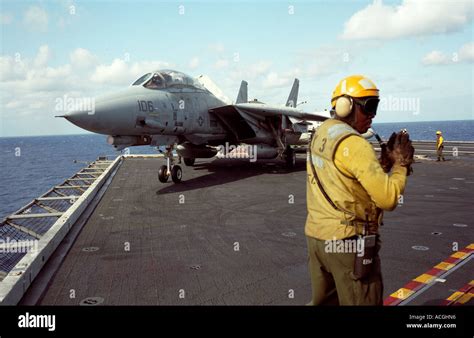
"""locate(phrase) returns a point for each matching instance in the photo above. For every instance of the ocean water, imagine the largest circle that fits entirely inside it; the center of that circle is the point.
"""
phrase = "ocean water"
(32, 165)
(452, 130)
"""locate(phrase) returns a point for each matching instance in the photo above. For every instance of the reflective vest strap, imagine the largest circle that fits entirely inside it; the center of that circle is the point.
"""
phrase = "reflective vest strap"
(334, 155)
(315, 175)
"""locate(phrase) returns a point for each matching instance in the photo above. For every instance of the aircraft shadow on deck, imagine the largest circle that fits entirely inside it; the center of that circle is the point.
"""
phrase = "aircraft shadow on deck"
(223, 171)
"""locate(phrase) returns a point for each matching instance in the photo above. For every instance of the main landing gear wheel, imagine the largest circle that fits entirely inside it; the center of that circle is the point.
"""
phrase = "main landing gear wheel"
(290, 158)
(189, 161)
(163, 174)
(176, 173)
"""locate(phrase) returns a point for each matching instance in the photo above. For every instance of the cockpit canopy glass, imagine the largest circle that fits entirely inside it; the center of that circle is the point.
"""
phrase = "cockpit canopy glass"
(141, 79)
(166, 78)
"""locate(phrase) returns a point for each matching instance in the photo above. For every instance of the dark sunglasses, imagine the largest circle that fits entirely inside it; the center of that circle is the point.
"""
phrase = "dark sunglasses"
(369, 105)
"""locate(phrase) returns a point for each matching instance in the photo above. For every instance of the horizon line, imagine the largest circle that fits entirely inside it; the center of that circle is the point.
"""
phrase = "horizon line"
(90, 133)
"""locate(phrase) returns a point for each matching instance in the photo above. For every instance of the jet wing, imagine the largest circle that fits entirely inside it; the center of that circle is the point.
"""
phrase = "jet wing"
(241, 118)
(264, 110)
(235, 122)
(245, 120)
(239, 112)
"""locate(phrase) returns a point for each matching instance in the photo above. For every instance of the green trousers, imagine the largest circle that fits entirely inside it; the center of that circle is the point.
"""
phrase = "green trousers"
(332, 280)
(439, 152)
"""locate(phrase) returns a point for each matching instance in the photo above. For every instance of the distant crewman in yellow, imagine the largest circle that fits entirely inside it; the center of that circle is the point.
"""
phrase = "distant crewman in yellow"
(347, 189)
(439, 145)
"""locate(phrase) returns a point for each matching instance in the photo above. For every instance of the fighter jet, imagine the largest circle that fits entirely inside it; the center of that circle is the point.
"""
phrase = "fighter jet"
(170, 108)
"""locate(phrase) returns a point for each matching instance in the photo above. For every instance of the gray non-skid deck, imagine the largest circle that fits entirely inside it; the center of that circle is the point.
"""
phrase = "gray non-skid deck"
(229, 234)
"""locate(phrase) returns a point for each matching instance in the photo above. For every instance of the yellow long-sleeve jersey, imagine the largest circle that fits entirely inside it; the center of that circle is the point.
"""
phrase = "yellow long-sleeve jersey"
(439, 142)
(352, 177)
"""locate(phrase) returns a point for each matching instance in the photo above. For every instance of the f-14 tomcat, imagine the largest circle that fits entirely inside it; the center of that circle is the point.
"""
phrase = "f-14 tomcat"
(167, 107)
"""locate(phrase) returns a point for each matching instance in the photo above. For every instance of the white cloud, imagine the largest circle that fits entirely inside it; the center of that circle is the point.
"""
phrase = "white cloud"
(82, 58)
(411, 18)
(194, 63)
(43, 56)
(36, 19)
(123, 73)
(30, 86)
(435, 58)
(13, 104)
(274, 80)
(221, 64)
(328, 59)
(250, 73)
(21, 70)
(11, 69)
(37, 105)
(216, 48)
(6, 18)
(116, 72)
(259, 68)
(465, 54)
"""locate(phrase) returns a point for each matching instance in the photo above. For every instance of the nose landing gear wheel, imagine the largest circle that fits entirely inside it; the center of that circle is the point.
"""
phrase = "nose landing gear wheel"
(176, 174)
(163, 174)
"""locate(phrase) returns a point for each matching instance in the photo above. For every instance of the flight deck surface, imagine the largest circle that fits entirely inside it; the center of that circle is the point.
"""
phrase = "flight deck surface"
(233, 233)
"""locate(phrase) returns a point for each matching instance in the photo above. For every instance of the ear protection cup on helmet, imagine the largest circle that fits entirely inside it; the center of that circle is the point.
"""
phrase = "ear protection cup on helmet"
(344, 106)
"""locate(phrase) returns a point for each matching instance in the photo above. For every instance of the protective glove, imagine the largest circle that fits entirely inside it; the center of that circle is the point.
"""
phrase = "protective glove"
(401, 150)
(385, 160)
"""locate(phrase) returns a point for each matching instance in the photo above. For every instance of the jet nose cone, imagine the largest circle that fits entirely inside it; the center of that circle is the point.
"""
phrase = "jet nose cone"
(77, 115)
(81, 118)
(111, 114)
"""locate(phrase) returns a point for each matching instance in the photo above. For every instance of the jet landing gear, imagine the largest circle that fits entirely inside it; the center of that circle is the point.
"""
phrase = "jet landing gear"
(170, 169)
(164, 173)
(289, 155)
(176, 174)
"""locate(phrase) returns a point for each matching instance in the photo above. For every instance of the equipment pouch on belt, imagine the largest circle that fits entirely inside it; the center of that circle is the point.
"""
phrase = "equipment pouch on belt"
(364, 261)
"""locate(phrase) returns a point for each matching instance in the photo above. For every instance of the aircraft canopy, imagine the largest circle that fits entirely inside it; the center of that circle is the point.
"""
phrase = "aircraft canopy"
(167, 78)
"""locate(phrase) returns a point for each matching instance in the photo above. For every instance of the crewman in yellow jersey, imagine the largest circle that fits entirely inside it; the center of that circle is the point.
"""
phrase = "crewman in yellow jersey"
(439, 145)
(347, 189)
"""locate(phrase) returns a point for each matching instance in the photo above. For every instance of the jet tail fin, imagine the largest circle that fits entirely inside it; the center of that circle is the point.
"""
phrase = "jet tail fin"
(242, 97)
(293, 98)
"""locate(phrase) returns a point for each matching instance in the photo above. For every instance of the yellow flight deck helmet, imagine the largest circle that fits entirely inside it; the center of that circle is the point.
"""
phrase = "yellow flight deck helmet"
(354, 86)
(438, 132)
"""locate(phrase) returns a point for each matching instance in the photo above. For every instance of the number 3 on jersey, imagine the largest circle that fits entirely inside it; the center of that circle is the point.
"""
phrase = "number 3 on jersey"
(321, 149)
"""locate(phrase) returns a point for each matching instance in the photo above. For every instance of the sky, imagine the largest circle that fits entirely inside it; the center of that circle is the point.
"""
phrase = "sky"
(420, 53)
